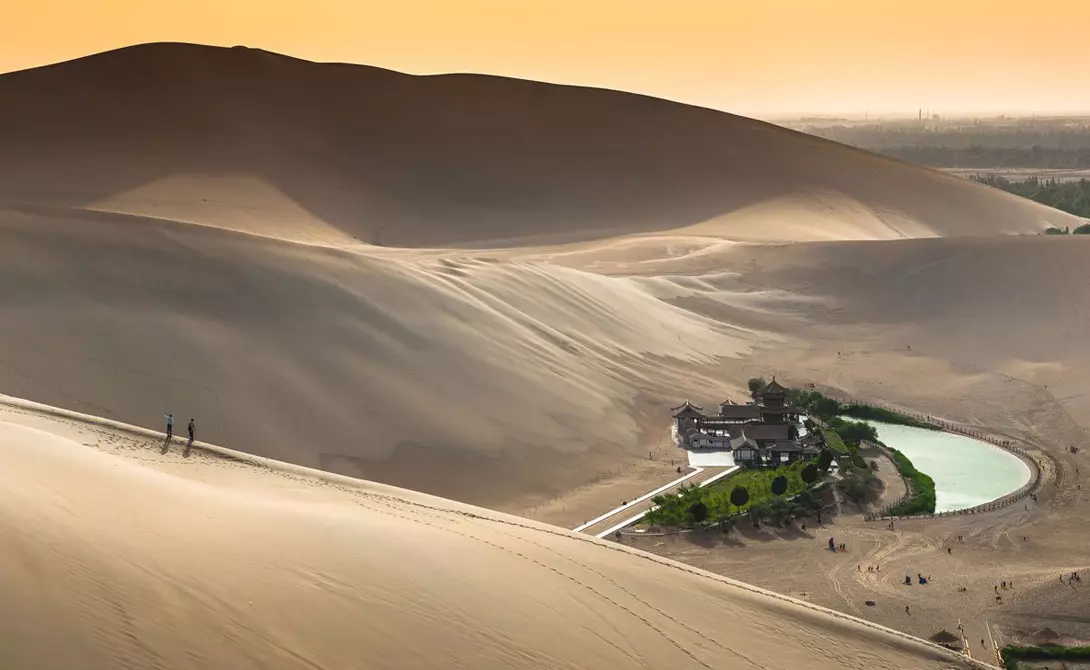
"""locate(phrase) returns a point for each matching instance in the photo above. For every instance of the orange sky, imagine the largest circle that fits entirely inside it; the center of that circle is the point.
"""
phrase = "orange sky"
(757, 57)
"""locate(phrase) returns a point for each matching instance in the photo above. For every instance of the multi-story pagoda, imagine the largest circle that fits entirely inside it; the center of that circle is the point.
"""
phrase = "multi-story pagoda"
(766, 430)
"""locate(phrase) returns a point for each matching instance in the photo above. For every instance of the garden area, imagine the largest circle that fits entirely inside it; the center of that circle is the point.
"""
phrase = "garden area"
(782, 494)
(1034, 657)
(777, 494)
(843, 436)
(921, 498)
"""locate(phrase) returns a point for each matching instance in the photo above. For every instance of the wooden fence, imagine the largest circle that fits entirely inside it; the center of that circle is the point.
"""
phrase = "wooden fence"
(908, 485)
(1022, 493)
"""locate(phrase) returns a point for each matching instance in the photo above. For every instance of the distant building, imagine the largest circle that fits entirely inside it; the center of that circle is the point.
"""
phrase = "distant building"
(765, 431)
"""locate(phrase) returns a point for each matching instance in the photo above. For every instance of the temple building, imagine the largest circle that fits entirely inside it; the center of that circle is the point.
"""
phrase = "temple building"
(766, 431)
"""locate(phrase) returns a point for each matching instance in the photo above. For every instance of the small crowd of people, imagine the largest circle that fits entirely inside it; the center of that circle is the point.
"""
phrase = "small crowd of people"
(1071, 579)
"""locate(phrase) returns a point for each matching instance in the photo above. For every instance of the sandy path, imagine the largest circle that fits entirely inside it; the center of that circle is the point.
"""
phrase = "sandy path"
(632, 510)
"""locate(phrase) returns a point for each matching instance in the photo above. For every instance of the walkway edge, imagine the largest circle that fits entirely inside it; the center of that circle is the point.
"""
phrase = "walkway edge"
(629, 522)
(645, 496)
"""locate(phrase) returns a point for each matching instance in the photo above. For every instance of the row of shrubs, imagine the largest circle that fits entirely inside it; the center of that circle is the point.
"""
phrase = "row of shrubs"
(922, 488)
(1012, 655)
(752, 488)
(872, 413)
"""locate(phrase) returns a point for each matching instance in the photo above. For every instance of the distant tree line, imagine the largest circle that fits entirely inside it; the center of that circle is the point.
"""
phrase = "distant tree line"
(975, 156)
(1072, 197)
(1056, 144)
(871, 413)
(984, 136)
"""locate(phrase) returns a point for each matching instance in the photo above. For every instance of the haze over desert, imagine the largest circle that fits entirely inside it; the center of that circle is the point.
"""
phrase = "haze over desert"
(490, 290)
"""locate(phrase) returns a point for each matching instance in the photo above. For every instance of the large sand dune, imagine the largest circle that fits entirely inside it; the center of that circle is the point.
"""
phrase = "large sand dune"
(509, 376)
(118, 556)
(476, 287)
(493, 382)
(259, 142)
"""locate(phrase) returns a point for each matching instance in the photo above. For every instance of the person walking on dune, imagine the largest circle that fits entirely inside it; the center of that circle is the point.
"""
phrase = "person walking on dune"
(192, 429)
(170, 426)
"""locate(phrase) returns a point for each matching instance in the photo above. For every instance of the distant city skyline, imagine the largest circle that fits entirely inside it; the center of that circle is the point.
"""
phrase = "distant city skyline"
(771, 60)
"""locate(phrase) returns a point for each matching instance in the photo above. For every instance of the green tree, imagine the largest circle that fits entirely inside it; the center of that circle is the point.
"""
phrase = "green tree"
(825, 460)
(854, 432)
(756, 384)
(739, 496)
(824, 408)
(798, 397)
(698, 511)
(779, 485)
(809, 473)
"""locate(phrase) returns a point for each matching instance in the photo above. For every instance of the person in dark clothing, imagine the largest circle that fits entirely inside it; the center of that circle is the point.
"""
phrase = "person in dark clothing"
(192, 428)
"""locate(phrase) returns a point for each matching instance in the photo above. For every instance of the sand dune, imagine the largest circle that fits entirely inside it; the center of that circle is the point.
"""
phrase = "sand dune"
(487, 381)
(509, 376)
(482, 288)
(117, 556)
(259, 142)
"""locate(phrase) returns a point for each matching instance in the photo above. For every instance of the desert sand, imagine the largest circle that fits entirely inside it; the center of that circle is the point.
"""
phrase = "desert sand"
(493, 290)
(118, 555)
(250, 239)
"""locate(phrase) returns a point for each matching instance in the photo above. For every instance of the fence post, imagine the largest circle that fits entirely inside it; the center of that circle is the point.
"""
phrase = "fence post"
(1008, 499)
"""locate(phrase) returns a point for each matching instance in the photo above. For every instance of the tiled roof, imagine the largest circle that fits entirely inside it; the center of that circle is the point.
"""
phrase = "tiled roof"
(739, 411)
(766, 431)
(686, 406)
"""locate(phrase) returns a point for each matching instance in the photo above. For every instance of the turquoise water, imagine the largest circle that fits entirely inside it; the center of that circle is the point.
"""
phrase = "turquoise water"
(967, 472)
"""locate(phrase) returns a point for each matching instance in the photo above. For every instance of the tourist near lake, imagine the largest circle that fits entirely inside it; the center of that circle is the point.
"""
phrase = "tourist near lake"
(966, 471)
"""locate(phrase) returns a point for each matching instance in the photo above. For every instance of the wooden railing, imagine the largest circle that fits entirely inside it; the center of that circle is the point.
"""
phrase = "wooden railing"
(1025, 491)
(908, 485)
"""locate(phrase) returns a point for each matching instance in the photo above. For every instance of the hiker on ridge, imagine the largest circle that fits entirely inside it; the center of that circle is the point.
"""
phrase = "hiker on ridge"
(192, 428)
(170, 426)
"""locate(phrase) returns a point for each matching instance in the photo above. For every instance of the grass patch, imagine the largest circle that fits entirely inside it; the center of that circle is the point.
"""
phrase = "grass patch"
(694, 505)
(884, 415)
(921, 498)
(1013, 655)
(835, 443)
(842, 437)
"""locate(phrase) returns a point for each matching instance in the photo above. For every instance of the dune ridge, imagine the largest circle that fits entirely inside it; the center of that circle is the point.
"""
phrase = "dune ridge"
(359, 564)
(581, 260)
(520, 374)
(256, 141)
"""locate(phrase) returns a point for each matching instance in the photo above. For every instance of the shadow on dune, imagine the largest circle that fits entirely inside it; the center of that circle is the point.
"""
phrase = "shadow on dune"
(399, 160)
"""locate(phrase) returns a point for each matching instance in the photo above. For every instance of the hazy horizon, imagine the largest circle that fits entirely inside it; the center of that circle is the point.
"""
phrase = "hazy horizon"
(782, 58)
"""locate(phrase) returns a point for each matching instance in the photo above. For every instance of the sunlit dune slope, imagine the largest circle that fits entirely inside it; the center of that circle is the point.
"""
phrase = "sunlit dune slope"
(993, 302)
(119, 557)
(1010, 308)
(260, 142)
(486, 381)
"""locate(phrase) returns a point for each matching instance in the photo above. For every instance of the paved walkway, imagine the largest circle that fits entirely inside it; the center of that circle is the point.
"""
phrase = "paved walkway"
(620, 517)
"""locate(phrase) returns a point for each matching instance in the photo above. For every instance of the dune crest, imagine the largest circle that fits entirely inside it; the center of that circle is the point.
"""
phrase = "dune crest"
(397, 160)
(268, 567)
(582, 260)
